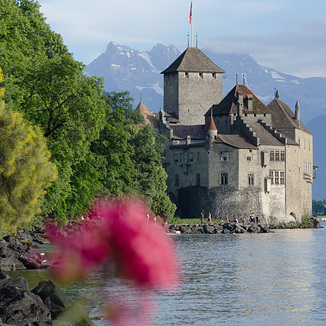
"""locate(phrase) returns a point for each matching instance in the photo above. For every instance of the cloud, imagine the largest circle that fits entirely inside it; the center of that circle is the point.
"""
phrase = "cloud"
(286, 35)
(297, 50)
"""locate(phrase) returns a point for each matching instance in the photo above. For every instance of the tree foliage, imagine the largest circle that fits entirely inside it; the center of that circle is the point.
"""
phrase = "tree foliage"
(96, 140)
(131, 156)
(25, 169)
(46, 85)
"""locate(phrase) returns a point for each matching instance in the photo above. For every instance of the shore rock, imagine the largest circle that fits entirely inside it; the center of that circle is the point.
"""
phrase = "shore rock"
(19, 253)
(217, 228)
(19, 306)
(44, 305)
(52, 297)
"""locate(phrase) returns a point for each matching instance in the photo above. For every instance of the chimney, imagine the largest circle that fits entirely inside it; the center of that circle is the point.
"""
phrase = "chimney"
(250, 100)
(240, 102)
(297, 113)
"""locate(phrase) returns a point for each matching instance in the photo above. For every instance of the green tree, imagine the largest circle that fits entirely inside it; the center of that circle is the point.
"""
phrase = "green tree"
(131, 156)
(46, 85)
(25, 169)
(149, 175)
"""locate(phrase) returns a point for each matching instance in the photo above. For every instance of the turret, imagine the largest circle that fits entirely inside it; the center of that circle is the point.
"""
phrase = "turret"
(211, 132)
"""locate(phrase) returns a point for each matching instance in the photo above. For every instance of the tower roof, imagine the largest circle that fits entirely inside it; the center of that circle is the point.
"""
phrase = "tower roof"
(211, 125)
(148, 115)
(229, 105)
(193, 60)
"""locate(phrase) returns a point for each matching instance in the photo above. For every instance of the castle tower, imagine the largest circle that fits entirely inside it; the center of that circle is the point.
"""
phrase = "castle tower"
(192, 84)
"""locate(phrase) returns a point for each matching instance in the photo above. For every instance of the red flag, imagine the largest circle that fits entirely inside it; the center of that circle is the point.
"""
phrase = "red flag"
(190, 17)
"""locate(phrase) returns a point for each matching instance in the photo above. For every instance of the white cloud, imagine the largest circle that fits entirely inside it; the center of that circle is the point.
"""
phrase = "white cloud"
(298, 50)
(287, 35)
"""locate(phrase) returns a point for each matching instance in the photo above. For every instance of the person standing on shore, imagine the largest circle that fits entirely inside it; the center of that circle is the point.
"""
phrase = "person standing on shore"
(209, 218)
(201, 218)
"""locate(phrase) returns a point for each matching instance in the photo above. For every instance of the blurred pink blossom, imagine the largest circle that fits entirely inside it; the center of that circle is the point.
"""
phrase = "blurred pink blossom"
(140, 251)
(118, 234)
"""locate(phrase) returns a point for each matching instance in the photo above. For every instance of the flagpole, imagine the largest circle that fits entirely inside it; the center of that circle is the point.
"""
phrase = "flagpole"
(191, 24)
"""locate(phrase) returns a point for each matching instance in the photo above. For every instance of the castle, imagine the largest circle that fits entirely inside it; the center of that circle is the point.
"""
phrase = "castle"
(231, 156)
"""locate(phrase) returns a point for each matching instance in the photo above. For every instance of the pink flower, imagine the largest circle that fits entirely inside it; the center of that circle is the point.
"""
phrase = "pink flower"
(77, 255)
(141, 251)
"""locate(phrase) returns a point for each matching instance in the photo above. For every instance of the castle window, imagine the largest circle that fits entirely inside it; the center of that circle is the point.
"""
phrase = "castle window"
(276, 177)
(224, 179)
(271, 156)
(176, 180)
(197, 179)
(282, 178)
(191, 157)
(176, 158)
(201, 75)
(277, 155)
(282, 155)
(271, 176)
(187, 74)
(248, 158)
(250, 179)
(198, 156)
(224, 158)
(214, 75)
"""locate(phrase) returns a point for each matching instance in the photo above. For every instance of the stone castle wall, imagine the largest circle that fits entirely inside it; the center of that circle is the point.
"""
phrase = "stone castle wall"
(189, 95)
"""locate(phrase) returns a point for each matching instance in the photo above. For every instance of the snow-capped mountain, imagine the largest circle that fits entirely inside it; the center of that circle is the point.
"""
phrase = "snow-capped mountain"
(138, 72)
(125, 69)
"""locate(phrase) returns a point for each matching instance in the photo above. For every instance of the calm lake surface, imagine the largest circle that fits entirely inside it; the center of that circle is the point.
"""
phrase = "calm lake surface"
(251, 279)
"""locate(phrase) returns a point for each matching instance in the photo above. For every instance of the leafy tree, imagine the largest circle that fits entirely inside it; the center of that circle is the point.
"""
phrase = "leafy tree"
(318, 207)
(25, 169)
(46, 85)
(149, 175)
(131, 156)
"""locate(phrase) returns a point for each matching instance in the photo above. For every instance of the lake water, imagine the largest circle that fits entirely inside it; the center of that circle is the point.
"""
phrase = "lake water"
(243, 279)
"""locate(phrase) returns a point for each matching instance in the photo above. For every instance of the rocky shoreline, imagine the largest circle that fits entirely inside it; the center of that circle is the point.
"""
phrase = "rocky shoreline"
(236, 228)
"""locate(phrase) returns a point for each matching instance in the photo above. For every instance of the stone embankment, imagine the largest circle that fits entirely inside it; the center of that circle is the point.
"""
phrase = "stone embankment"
(232, 228)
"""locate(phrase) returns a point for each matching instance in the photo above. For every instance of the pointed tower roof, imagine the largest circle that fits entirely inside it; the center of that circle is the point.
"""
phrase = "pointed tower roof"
(229, 105)
(211, 125)
(193, 60)
(148, 115)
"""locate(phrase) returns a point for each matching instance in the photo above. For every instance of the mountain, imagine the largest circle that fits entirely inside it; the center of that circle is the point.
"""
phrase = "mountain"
(139, 73)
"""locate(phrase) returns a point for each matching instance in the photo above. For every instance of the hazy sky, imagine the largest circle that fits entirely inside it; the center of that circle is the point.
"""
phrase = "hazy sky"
(287, 35)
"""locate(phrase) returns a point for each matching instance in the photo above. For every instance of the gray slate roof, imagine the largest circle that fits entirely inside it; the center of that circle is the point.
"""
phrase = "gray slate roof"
(237, 141)
(229, 103)
(266, 138)
(193, 60)
(195, 132)
(283, 117)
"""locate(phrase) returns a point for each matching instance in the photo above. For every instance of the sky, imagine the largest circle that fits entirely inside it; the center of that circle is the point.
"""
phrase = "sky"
(286, 35)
